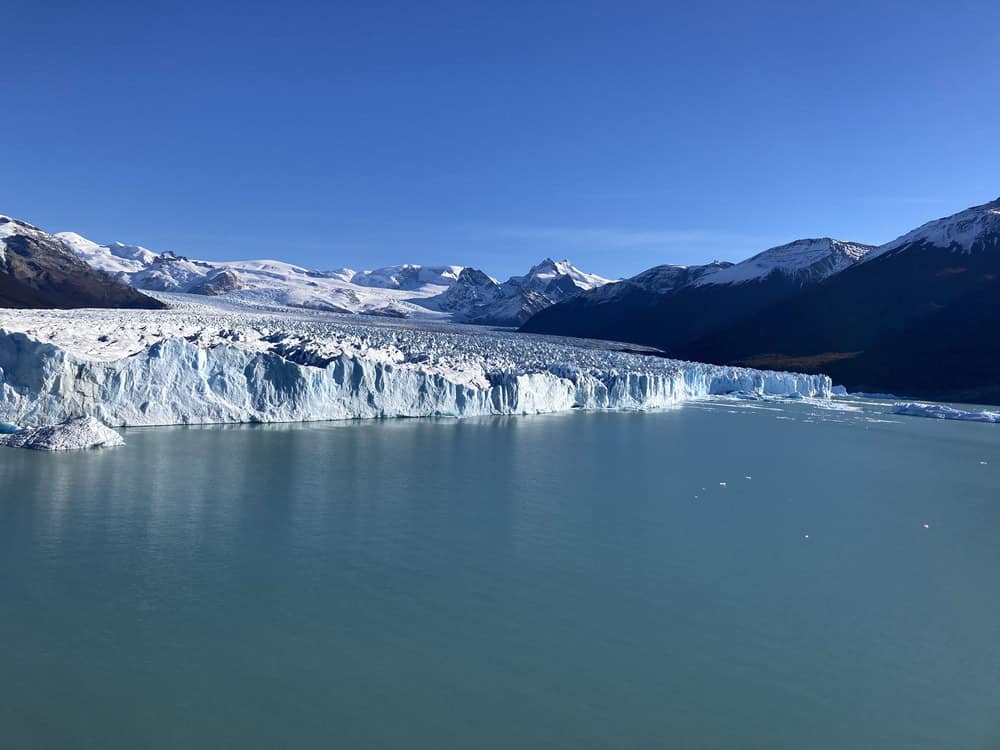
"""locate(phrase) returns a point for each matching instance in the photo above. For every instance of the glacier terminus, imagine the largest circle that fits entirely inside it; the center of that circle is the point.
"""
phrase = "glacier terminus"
(199, 363)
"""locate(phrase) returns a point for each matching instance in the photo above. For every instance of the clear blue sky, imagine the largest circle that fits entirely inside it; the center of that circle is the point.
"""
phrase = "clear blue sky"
(619, 134)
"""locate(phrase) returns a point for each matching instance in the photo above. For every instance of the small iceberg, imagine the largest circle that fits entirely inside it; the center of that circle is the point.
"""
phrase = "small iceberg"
(74, 434)
(746, 396)
(940, 411)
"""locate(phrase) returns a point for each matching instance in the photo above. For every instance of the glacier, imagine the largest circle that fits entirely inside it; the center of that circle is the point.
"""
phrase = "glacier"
(199, 363)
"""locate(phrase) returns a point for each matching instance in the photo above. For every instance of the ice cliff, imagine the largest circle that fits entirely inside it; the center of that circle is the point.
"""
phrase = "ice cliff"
(200, 365)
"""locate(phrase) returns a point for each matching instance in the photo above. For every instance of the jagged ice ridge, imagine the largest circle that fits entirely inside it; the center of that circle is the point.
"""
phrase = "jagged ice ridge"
(198, 364)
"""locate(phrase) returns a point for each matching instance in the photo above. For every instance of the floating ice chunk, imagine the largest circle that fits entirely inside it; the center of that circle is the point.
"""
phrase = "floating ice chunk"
(748, 477)
(927, 525)
(74, 434)
(722, 484)
(942, 411)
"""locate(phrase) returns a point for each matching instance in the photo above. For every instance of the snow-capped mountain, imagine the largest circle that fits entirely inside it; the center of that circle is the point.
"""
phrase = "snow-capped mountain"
(670, 278)
(553, 278)
(37, 270)
(112, 259)
(973, 230)
(658, 280)
(269, 284)
(478, 298)
(407, 276)
(669, 306)
(409, 291)
(472, 289)
(797, 264)
(919, 315)
(807, 261)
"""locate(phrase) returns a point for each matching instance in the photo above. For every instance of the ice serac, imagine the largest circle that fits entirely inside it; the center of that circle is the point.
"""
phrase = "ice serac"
(212, 370)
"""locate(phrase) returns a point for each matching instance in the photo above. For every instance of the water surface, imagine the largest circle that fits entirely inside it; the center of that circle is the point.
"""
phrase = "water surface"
(569, 581)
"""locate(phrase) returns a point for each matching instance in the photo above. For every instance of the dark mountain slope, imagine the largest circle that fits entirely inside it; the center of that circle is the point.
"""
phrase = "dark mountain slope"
(37, 270)
(667, 321)
(919, 318)
(671, 306)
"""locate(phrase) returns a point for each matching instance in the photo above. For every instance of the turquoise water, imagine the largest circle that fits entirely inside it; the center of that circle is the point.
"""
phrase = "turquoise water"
(566, 581)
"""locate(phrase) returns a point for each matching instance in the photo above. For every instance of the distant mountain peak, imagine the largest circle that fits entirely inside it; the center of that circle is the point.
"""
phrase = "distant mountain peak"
(476, 297)
(407, 276)
(542, 274)
(973, 230)
(563, 266)
(38, 269)
(12, 223)
(806, 261)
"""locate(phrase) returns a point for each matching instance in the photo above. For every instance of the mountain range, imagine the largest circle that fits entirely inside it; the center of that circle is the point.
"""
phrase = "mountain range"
(38, 270)
(919, 315)
(116, 272)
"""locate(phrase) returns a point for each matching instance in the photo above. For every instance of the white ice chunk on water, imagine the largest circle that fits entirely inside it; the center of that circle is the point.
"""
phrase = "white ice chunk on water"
(73, 434)
(942, 411)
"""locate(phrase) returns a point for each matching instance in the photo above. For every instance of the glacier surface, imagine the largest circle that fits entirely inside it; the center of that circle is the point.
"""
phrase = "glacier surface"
(198, 363)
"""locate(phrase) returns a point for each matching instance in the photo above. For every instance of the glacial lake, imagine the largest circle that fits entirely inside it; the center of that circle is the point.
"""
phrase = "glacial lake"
(579, 580)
